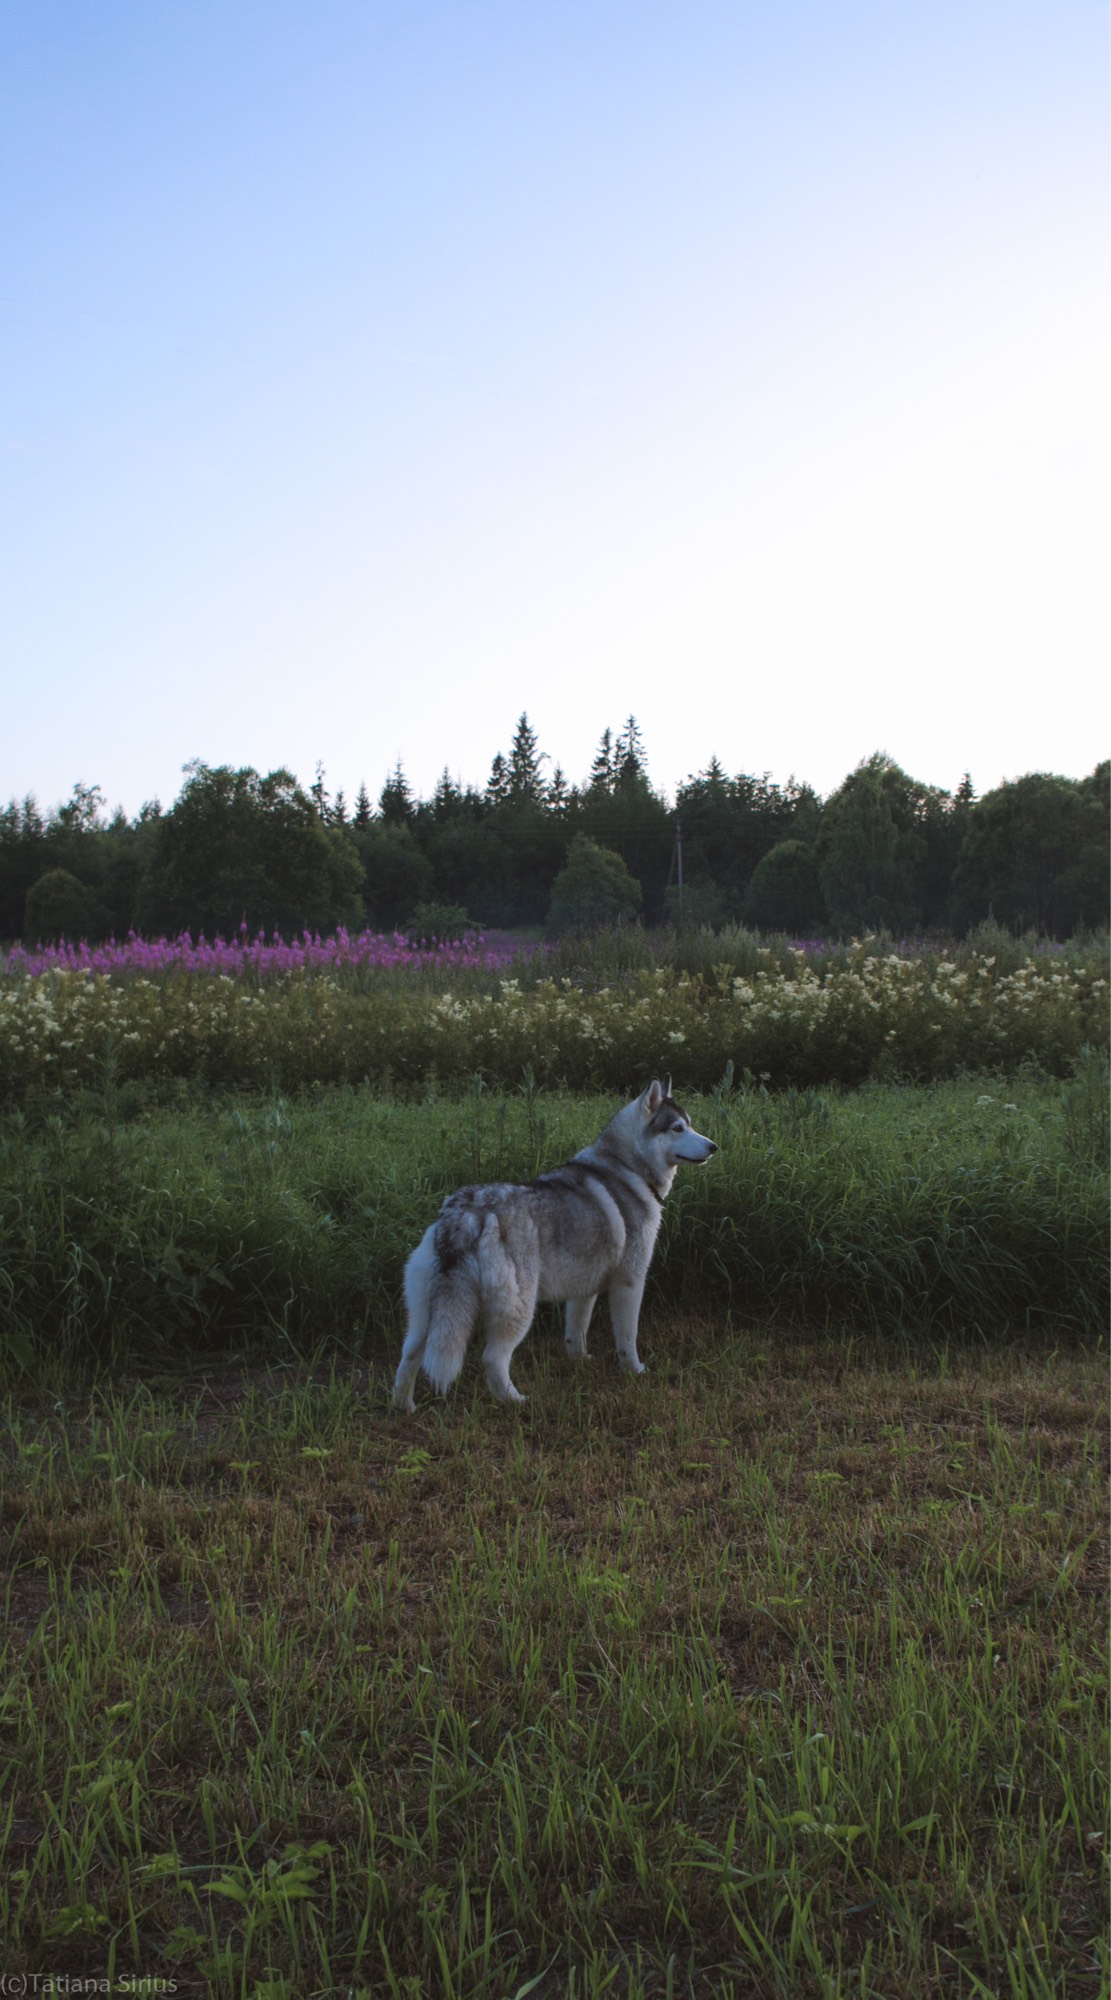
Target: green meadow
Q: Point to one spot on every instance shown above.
(779, 1671)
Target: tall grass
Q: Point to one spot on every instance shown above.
(615, 955)
(973, 1205)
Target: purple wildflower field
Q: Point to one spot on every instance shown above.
(261, 957)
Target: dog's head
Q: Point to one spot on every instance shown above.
(670, 1126)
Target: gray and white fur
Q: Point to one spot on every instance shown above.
(589, 1226)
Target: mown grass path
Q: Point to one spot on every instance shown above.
(779, 1672)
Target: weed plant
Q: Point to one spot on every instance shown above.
(780, 1672)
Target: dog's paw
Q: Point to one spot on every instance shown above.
(504, 1391)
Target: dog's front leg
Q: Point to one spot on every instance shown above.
(625, 1298)
(575, 1323)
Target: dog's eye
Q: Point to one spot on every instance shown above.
(679, 1128)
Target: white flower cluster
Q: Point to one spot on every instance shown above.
(919, 1014)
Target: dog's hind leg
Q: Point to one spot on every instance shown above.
(576, 1321)
(507, 1322)
(504, 1334)
(419, 1273)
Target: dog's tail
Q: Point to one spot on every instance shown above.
(443, 1304)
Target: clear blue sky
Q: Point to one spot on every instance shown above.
(372, 372)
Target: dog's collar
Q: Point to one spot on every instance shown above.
(653, 1189)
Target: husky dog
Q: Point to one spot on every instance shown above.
(583, 1228)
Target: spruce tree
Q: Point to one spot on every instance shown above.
(559, 794)
(497, 784)
(629, 758)
(604, 768)
(525, 784)
(447, 797)
(395, 802)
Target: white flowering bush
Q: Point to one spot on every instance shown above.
(60, 1029)
(870, 1014)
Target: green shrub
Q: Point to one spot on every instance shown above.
(58, 906)
(785, 893)
(438, 922)
(595, 887)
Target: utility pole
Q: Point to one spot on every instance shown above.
(676, 867)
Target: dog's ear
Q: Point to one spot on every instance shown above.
(666, 1085)
(654, 1095)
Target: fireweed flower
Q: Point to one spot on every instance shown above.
(260, 956)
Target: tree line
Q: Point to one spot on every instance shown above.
(883, 851)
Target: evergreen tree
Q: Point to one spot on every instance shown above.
(621, 813)
(524, 781)
(629, 761)
(395, 801)
(604, 768)
(497, 784)
(363, 809)
(447, 798)
(560, 796)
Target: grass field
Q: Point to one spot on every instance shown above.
(780, 1671)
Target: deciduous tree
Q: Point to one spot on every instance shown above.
(871, 847)
(240, 848)
(594, 887)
